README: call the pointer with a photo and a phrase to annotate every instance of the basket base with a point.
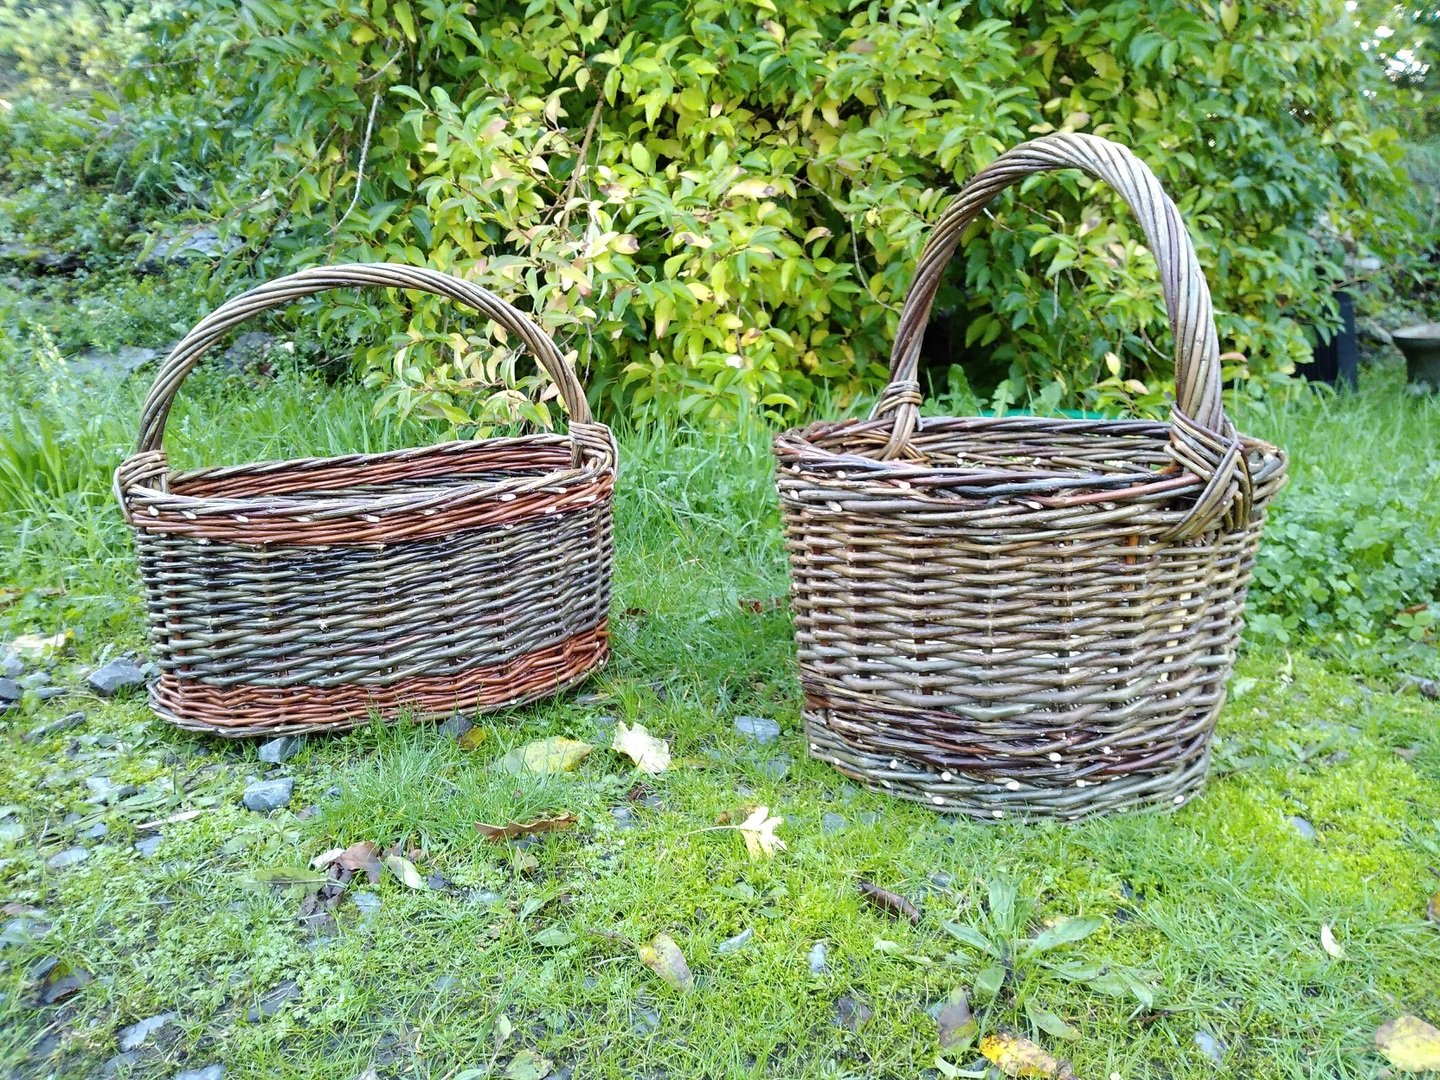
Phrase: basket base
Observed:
(238, 712)
(989, 799)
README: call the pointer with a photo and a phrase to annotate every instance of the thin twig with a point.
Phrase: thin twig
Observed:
(580, 161)
(360, 169)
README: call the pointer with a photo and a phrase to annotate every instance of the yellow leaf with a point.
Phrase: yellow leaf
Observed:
(474, 738)
(1229, 14)
(664, 957)
(1410, 1044)
(1016, 1056)
(650, 754)
(546, 756)
(754, 188)
(758, 830)
(36, 646)
(1329, 944)
(405, 870)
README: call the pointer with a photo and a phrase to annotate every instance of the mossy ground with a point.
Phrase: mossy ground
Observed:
(1216, 909)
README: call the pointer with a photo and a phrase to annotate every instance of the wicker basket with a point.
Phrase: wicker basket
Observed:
(321, 593)
(1026, 616)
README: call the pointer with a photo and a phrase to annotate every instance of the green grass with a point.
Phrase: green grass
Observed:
(1215, 911)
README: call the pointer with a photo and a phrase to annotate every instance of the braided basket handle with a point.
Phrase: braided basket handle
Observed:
(283, 291)
(1187, 296)
(1202, 439)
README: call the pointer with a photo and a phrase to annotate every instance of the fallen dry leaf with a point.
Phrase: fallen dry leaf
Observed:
(664, 957)
(512, 829)
(1432, 909)
(759, 832)
(473, 738)
(1017, 1056)
(183, 815)
(893, 904)
(1329, 944)
(405, 870)
(1410, 1044)
(651, 755)
(770, 603)
(37, 646)
(546, 756)
(528, 1065)
(956, 1026)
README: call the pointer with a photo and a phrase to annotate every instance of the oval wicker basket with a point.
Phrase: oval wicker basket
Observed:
(1027, 616)
(321, 593)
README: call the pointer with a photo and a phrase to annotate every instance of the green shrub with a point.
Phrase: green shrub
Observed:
(1350, 568)
(757, 179)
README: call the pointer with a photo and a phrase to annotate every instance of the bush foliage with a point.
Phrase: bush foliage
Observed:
(717, 204)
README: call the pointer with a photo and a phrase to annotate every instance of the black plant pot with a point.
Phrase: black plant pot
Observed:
(1421, 346)
(1336, 361)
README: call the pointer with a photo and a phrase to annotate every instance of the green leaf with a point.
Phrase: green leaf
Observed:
(989, 981)
(546, 757)
(973, 937)
(1049, 1023)
(1002, 900)
(554, 937)
(1065, 932)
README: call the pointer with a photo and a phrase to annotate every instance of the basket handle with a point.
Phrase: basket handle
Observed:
(283, 291)
(1202, 439)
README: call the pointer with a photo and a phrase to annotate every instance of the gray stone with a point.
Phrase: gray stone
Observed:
(34, 680)
(98, 831)
(760, 729)
(1303, 827)
(122, 361)
(125, 1061)
(367, 903)
(55, 727)
(831, 823)
(851, 1013)
(777, 768)
(50, 693)
(624, 817)
(872, 817)
(122, 673)
(254, 347)
(278, 751)
(105, 790)
(136, 1035)
(456, 726)
(644, 1021)
(23, 931)
(11, 666)
(266, 795)
(148, 846)
(1211, 1047)
(209, 1072)
(10, 691)
(736, 943)
(273, 1001)
(65, 859)
(816, 959)
(195, 244)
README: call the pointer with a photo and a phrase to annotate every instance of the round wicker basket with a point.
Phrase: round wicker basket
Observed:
(321, 593)
(1027, 616)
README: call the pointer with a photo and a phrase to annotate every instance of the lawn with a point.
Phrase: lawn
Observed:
(1209, 953)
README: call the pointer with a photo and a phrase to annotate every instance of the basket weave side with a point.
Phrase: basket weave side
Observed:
(318, 594)
(1025, 616)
